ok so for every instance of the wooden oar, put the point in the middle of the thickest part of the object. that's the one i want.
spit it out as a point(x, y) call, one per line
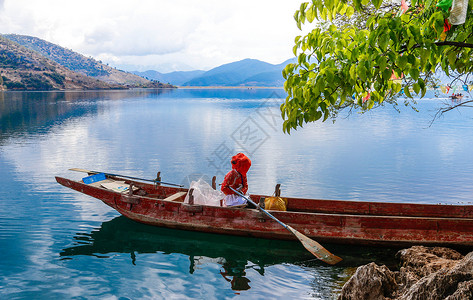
point(312, 246)
point(124, 176)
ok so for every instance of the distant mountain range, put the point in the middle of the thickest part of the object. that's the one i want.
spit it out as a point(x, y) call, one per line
point(176, 78)
point(247, 72)
point(30, 63)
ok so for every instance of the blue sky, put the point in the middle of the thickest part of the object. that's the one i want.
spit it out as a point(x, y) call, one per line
point(160, 35)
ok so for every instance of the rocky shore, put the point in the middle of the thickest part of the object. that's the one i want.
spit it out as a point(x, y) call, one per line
point(424, 273)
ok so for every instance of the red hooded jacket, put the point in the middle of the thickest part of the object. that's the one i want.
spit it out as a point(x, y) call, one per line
point(240, 166)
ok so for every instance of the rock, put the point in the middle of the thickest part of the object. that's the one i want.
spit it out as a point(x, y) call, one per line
point(370, 282)
point(425, 260)
point(418, 261)
point(464, 291)
point(425, 273)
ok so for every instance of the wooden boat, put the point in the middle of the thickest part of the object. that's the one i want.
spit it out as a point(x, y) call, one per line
point(456, 97)
point(333, 221)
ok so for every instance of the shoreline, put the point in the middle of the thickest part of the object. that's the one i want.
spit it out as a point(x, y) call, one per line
point(229, 87)
point(156, 88)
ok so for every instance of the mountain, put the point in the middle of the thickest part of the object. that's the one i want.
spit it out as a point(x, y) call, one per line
point(247, 72)
point(177, 78)
point(271, 78)
point(24, 69)
point(79, 63)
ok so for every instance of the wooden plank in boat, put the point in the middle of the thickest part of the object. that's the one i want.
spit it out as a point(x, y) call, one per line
point(117, 186)
point(175, 196)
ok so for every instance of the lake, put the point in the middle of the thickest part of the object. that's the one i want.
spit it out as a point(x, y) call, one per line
point(57, 243)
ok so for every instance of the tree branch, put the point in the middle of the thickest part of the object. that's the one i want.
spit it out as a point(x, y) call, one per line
point(445, 43)
point(458, 44)
point(441, 111)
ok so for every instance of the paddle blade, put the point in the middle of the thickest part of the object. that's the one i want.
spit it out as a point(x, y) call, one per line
point(315, 248)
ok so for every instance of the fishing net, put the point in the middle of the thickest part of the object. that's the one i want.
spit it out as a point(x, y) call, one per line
point(458, 12)
point(204, 194)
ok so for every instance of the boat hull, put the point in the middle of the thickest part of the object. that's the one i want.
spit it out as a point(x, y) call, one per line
point(333, 221)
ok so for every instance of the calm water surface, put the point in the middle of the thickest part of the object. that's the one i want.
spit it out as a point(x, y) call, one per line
point(57, 243)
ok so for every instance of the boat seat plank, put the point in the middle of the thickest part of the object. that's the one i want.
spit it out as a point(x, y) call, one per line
point(175, 196)
point(99, 183)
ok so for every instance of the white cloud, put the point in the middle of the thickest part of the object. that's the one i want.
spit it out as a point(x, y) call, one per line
point(149, 34)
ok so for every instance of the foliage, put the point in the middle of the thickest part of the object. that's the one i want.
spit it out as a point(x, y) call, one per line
point(356, 49)
point(58, 78)
point(36, 82)
point(14, 85)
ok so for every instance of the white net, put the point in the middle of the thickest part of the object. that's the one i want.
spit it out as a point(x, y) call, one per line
point(204, 194)
point(458, 12)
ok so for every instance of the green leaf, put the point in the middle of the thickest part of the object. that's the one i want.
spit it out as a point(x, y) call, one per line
point(353, 72)
point(329, 74)
point(416, 88)
point(342, 9)
point(402, 62)
point(361, 71)
point(422, 87)
point(376, 3)
point(350, 11)
point(310, 14)
point(326, 115)
point(461, 36)
point(411, 43)
point(452, 57)
point(357, 4)
point(386, 74)
point(407, 92)
point(296, 16)
point(382, 62)
point(383, 41)
point(414, 72)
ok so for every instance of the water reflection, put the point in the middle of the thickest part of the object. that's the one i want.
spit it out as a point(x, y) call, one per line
point(28, 111)
point(235, 93)
point(235, 255)
point(122, 235)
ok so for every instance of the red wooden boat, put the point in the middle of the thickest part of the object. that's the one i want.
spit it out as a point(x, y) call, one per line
point(333, 221)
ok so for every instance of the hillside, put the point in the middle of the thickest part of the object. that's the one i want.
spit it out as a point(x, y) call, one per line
point(176, 78)
point(24, 69)
point(247, 72)
point(81, 64)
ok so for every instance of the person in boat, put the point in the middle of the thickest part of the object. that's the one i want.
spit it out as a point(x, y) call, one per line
point(237, 180)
